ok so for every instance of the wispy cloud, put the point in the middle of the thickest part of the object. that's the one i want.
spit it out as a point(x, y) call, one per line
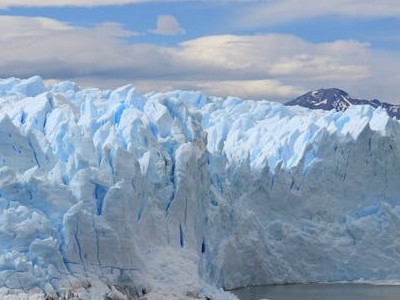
point(265, 13)
point(273, 66)
point(78, 3)
point(167, 25)
point(92, 3)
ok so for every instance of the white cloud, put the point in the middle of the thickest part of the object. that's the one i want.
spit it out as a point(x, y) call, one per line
point(277, 56)
point(19, 27)
point(318, 67)
point(273, 66)
point(280, 11)
point(167, 25)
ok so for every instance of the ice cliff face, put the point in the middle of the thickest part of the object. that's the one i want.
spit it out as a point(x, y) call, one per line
point(180, 190)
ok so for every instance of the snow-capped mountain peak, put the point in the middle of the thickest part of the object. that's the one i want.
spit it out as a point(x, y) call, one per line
point(339, 100)
point(326, 99)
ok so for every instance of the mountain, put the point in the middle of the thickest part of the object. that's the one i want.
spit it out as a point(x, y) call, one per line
point(110, 194)
point(339, 100)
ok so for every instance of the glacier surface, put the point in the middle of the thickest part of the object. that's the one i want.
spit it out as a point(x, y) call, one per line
point(178, 194)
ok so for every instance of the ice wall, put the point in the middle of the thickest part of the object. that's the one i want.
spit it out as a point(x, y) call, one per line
point(138, 189)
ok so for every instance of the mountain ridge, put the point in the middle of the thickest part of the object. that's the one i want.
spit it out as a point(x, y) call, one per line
point(334, 98)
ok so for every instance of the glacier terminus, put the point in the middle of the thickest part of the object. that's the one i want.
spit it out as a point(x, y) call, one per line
point(177, 195)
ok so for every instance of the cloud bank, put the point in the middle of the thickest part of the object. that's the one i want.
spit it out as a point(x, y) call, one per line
point(271, 66)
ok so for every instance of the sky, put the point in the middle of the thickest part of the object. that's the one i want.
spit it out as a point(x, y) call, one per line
point(254, 49)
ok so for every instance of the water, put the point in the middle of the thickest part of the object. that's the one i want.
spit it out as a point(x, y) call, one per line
point(320, 292)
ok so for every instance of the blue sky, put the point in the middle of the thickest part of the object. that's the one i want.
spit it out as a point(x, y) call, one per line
point(273, 49)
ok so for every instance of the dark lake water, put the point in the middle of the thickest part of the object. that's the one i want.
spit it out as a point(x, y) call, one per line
point(320, 292)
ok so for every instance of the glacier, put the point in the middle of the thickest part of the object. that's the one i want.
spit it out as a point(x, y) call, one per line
point(110, 193)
